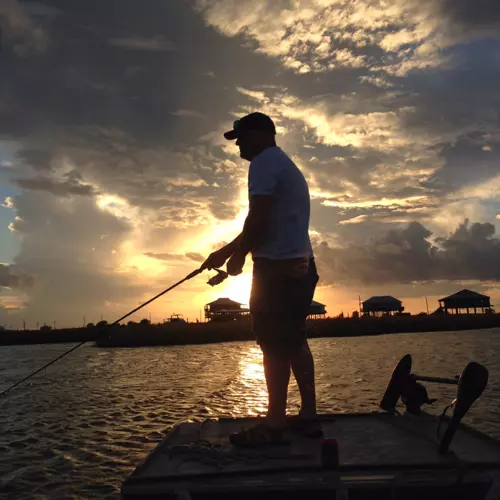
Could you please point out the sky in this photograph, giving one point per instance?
(116, 182)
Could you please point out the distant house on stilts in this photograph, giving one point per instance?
(464, 302)
(317, 310)
(225, 309)
(382, 305)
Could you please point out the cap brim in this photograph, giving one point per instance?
(231, 135)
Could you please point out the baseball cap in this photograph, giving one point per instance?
(253, 121)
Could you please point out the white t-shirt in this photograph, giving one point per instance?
(272, 172)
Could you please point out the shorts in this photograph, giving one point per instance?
(282, 291)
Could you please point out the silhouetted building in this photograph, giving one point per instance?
(381, 306)
(225, 309)
(316, 310)
(463, 302)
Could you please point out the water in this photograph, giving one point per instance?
(79, 429)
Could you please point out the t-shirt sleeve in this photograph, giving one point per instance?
(262, 178)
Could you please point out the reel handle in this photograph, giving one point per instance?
(218, 278)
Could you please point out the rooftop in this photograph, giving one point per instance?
(465, 295)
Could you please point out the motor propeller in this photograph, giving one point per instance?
(471, 385)
(403, 384)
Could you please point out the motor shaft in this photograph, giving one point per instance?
(438, 380)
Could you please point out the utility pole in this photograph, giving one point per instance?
(427, 305)
(359, 301)
(84, 321)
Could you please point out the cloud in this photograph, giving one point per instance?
(197, 257)
(324, 36)
(3, 315)
(12, 277)
(176, 256)
(20, 31)
(470, 18)
(385, 106)
(355, 220)
(8, 202)
(187, 113)
(56, 188)
(155, 44)
(79, 254)
(382, 38)
(106, 172)
(471, 252)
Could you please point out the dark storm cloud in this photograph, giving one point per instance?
(471, 252)
(478, 16)
(13, 277)
(470, 160)
(158, 43)
(64, 188)
(24, 27)
(112, 99)
(90, 76)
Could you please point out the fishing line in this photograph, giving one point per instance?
(215, 280)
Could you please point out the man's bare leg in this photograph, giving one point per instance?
(277, 372)
(303, 369)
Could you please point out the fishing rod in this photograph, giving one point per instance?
(214, 280)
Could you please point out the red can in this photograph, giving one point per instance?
(330, 454)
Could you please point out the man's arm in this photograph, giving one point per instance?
(230, 248)
(255, 227)
(254, 231)
(256, 224)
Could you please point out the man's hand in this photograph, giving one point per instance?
(216, 259)
(235, 263)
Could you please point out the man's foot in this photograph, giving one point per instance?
(260, 435)
(307, 427)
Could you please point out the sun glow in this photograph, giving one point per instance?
(238, 288)
(219, 231)
(132, 261)
(117, 206)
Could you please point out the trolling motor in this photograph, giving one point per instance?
(404, 385)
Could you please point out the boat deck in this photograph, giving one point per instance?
(376, 451)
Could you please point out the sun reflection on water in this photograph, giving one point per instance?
(252, 383)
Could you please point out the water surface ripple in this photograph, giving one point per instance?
(79, 429)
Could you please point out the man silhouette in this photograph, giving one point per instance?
(276, 233)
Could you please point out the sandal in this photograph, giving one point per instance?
(310, 427)
(260, 435)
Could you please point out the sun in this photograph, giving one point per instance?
(238, 288)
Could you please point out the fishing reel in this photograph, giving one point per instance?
(218, 278)
(404, 385)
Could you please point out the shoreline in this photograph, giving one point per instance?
(216, 332)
